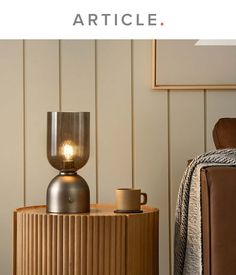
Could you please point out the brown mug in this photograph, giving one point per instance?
(129, 200)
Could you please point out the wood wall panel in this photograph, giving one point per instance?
(78, 94)
(218, 105)
(11, 140)
(114, 117)
(150, 142)
(186, 128)
(41, 95)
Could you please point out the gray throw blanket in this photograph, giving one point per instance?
(188, 233)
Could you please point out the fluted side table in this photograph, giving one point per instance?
(98, 243)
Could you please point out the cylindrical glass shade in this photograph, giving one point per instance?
(68, 140)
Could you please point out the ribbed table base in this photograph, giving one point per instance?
(101, 243)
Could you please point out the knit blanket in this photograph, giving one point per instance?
(188, 233)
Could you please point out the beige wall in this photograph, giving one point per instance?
(139, 137)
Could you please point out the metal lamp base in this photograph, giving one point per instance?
(68, 193)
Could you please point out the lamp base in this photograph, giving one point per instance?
(68, 193)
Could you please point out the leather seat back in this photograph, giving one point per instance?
(224, 133)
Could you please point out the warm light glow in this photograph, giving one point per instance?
(68, 151)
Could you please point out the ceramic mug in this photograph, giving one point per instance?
(129, 200)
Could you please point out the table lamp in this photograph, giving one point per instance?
(68, 151)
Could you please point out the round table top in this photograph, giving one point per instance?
(95, 210)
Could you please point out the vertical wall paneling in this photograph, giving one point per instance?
(218, 105)
(186, 136)
(78, 94)
(151, 143)
(41, 96)
(114, 117)
(11, 140)
(139, 137)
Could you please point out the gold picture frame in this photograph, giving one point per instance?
(156, 86)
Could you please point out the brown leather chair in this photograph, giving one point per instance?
(224, 133)
(219, 207)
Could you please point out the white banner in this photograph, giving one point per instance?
(103, 19)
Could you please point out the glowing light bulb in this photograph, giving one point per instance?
(68, 151)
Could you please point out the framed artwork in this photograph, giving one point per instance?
(189, 65)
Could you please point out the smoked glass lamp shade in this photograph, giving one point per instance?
(68, 150)
(68, 140)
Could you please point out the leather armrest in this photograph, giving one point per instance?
(219, 219)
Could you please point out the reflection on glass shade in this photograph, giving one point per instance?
(68, 140)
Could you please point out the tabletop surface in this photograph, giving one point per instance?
(95, 210)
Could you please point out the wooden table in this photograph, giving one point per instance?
(97, 243)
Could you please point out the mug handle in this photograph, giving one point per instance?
(144, 195)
